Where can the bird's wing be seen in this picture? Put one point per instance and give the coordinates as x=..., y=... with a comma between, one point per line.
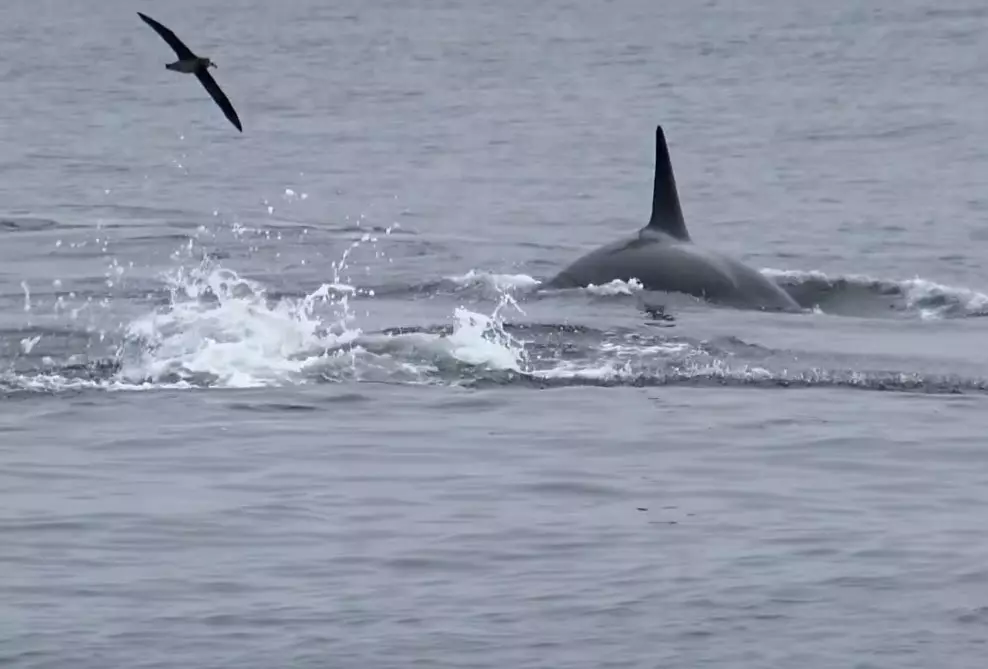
x=206, y=79
x=175, y=43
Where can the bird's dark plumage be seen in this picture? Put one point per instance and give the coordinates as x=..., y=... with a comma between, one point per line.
x=199, y=66
x=182, y=51
x=207, y=81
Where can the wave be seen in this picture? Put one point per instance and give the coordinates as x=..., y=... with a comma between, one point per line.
x=866, y=295
x=210, y=327
x=841, y=295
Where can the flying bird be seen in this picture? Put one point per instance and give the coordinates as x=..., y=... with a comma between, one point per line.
x=189, y=63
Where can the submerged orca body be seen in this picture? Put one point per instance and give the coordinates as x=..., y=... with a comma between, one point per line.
x=663, y=258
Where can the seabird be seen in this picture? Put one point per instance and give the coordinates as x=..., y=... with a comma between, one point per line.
x=189, y=63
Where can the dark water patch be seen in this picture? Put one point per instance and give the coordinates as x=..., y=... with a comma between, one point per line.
x=575, y=489
x=730, y=344
x=973, y=12
x=44, y=525
x=271, y=407
x=130, y=211
x=871, y=297
x=26, y=224
x=294, y=407
x=891, y=382
x=974, y=616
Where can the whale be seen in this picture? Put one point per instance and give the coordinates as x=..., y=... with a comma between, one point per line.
x=662, y=257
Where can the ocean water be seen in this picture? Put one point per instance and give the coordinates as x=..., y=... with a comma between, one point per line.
x=297, y=398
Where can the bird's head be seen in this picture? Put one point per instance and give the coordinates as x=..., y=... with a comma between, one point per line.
x=208, y=63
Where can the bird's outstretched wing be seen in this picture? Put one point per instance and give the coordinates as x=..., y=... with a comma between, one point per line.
x=175, y=43
x=206, y=79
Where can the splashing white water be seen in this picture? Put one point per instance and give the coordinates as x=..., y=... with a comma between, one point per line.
x=28, y=343
x=498, y=284
x=223, y=330
x=27, y=295
x=616, y=287
x=222, y=327
x=481, y=341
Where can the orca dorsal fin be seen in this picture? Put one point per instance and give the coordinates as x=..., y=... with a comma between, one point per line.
x=667, y=215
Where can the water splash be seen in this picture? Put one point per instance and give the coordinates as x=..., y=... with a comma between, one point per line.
x=495, y=284
x=616, y=287
x=222, y=329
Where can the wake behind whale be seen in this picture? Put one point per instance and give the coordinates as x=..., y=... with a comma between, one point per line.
x=662, y=257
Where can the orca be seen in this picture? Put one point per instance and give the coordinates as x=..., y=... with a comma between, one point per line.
x=662, y=257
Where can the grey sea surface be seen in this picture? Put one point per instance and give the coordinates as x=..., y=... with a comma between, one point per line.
x=297, y=398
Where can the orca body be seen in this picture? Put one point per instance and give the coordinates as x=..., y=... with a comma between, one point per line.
x=662, y=257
